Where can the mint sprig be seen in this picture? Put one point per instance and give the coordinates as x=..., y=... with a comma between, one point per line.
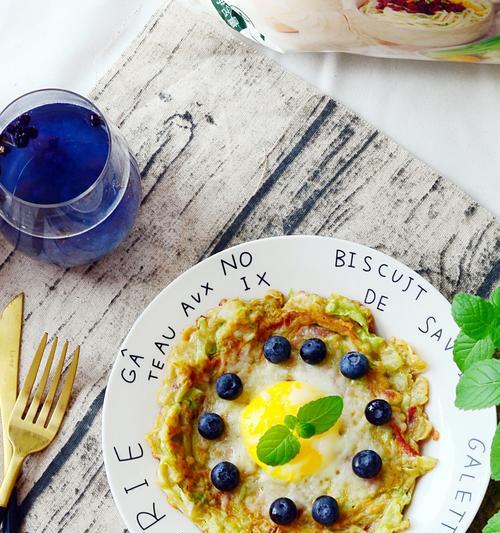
x=475, y=352
x=279, y=445
x=479, y=320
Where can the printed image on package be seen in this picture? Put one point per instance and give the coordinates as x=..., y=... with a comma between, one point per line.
x=452, y=30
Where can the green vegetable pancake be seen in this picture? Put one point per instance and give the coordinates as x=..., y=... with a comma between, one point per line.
x=291, y=414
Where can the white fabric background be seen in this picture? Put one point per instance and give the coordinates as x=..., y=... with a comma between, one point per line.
x=446, y=114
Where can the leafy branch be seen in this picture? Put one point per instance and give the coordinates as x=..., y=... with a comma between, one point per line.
x=475, y=352
x=279, y=445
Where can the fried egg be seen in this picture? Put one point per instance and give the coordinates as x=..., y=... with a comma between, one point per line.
x=269, y=408
x=230, y=339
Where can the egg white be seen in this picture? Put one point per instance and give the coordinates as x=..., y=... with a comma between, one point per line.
x=352, y=434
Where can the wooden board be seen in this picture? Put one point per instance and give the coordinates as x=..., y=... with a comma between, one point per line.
x=231, y=148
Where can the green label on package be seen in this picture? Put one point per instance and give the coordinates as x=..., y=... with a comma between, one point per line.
x=231, y=18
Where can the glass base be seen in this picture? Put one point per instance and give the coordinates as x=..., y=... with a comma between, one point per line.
x=90, y=245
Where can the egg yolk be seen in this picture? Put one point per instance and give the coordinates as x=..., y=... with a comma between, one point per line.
x=269, y=408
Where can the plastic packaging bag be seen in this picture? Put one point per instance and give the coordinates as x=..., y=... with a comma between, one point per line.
x=451, y=30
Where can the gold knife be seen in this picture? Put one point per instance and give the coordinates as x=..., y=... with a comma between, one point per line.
x=11, y=323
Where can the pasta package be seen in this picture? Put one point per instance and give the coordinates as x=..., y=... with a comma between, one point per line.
x=448, y=30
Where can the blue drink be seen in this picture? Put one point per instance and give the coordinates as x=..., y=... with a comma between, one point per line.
x=69, y=188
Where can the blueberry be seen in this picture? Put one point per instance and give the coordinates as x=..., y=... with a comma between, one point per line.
x=366, y=464
x=11, y=128
x=21, y=139
x=225, y=476
x=313, y=351
x=32, y=132
x=378, y=412
x=277, y=349
x=325, y=510
x=95, y=120
x=24, y=119
x=210, y=426
x=283, y=511
x=354, y=365
x=229, y=386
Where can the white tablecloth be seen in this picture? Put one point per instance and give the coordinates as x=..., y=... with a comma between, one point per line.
x=446, y=114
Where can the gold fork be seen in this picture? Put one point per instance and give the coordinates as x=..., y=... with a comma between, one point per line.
x=33, y=426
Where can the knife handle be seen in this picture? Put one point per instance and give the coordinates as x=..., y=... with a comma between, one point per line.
x=11, y=521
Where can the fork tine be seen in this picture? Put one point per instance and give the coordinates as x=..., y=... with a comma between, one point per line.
x=35, y=403
x=62, y=403
x=43, y=416
x=24, y=395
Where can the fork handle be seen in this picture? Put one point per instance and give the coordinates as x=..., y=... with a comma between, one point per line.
x=9, y=482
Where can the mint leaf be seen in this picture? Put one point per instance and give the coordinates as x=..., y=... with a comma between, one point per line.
x=493, y=525
x=306, y=431
x=467, y=351
x=479, y=386
x=461, y=349
x=277, y=446
x=495, y=297
x=291, y=421
x=474, y=315
x=495, y=455
x=495, y=334
x=321, y=414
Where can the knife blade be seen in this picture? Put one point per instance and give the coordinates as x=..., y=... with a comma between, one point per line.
x=11, y=324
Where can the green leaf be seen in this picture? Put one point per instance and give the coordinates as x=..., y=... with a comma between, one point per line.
x=306, y=431
x=493, y=525
x=479, y=386
x=467, y=351
x=291, y=421
x=277, y=446
x=495, y=335
x=474, y=315
x=495, y=332
x=495, y=455
x=495, y=297
x=322, y=413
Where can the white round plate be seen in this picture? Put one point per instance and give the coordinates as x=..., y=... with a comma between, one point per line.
x=404, y=305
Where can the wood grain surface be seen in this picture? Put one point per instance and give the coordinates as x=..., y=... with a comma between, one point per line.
x=231, y=148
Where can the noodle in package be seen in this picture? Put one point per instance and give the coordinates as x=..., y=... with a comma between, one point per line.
x=450, y=30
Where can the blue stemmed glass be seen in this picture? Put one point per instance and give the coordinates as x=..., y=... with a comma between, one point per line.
x=69, y=186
